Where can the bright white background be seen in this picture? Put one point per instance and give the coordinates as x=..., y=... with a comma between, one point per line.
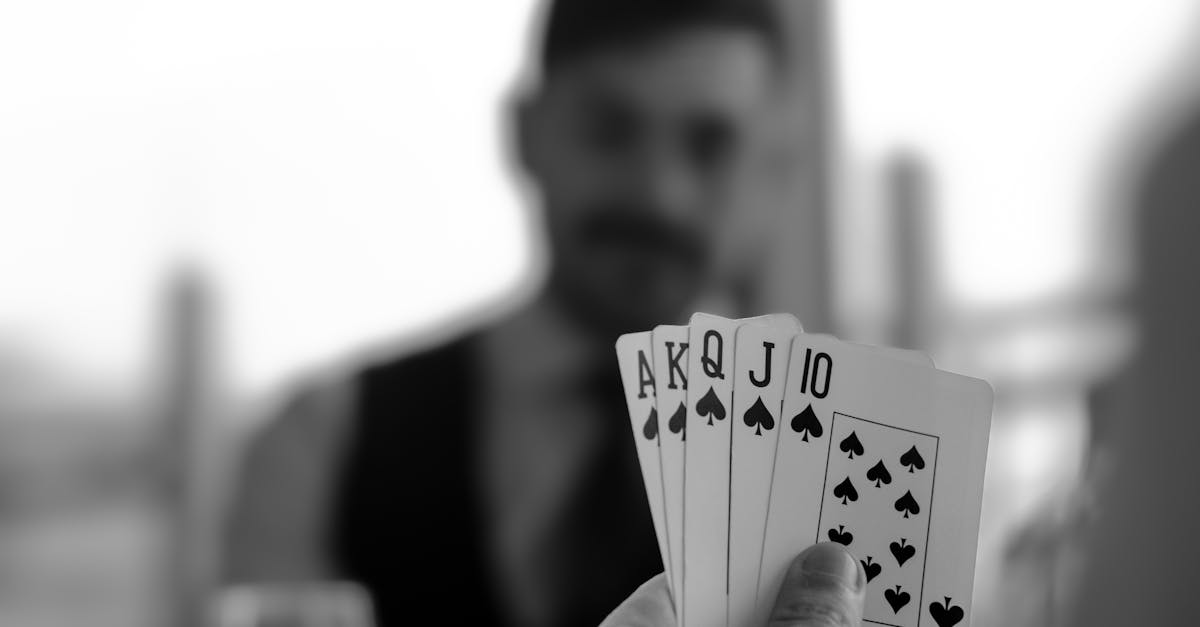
x=334, y=168
x=337, y=169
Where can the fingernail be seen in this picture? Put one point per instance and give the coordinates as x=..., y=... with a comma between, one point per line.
x=832, y=561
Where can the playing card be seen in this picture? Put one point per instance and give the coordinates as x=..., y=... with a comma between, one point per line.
x=670, y=346
x=910, y=356
x=635, y=359
x=887, y=458
x=760, y=372
x=706, y=465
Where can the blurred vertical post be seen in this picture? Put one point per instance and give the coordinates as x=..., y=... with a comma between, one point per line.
x=797, y=278
x=187, y=379
x=907, y=198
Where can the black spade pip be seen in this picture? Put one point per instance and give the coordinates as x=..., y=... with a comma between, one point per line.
x=871, y=569
x=758, y=417
x=845, y=491
x=806, y=424
x=945, y=615
x=912, y=458
x=908, y=505
x=902, y=551
x=896, y=599
x=678, y=420
x=650, y=430
x=709, y=406
x=851, y=445
x=879, y=474
x=840, y=535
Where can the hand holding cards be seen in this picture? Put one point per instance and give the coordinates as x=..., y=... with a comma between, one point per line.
x=757, y=440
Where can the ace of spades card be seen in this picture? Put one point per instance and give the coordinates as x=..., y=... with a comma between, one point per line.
x=634, y=357
x=886, y=458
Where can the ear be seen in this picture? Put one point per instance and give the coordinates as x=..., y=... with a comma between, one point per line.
x=524, y=131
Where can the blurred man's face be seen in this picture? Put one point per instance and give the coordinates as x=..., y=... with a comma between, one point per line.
x=639, y=154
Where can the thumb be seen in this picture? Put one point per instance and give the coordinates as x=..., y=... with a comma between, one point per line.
x=649, y=606
x=824, y=587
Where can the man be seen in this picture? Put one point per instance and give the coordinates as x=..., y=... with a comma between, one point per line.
x=491, y=480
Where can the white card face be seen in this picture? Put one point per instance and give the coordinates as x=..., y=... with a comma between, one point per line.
x=635, y=358
x=760, y=372
x=706, y=471
x=670, y=366
x=886, y=457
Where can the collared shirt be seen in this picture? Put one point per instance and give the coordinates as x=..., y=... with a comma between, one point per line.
x=539, y=434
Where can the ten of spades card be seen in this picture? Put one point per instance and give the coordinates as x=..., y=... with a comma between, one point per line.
x=887, y=458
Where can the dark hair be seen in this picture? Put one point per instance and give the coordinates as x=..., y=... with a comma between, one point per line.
x=574, y=28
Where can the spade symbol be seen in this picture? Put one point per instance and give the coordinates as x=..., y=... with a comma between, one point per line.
x=896, y=599
x=806, y=423
x=710, y=406
x=851, y=445
x=872, y=569
x=912, y=459
x=650, y=430
x=902, y=551
x=879, y=474
x=945, y=615
x=845, y=491
x=759, y=417
x=908, y=505
x=841, y=536
x=678, y=420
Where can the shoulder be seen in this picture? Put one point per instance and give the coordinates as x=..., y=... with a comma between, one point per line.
x=277, y=515
x=292, y=466
x=314, y=419
x=323, y=409
x=452, y=367
x=452, y=354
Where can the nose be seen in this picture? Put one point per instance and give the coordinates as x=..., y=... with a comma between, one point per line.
x=662, y=182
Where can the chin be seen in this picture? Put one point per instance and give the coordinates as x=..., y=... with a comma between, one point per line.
x=630, y=296
x=622, y=311
x=641, y=312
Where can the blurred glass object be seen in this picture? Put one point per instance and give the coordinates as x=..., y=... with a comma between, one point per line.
x=332, y=604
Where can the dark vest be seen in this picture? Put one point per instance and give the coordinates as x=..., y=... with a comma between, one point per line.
x=409, y=521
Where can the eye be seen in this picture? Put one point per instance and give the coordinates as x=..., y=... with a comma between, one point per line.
x=710, y=142
x=608, y=128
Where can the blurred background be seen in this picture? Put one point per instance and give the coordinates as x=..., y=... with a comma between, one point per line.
x=202, y=204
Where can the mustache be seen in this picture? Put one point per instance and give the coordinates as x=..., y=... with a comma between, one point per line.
x=639, y=227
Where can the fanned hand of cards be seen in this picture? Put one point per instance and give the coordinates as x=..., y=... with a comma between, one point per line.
x=757, y=440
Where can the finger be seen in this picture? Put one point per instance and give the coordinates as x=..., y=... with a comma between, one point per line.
x=824, y=587
x=649, y=606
